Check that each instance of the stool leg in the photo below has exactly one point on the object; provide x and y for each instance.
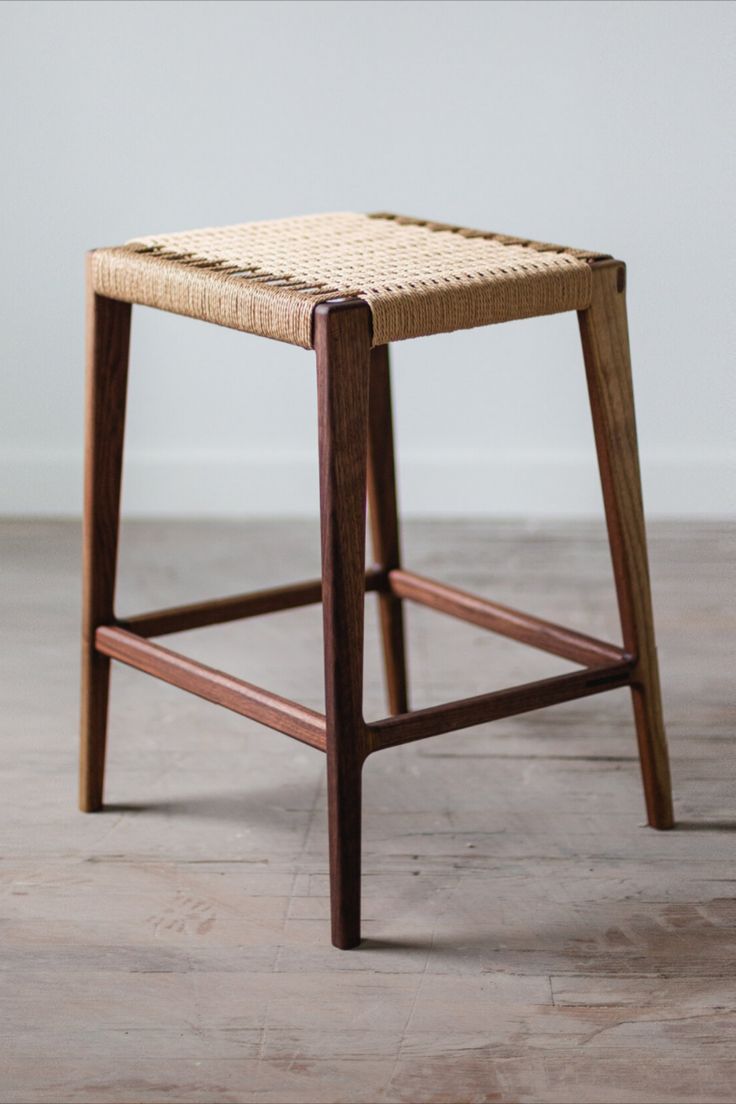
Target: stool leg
(342, 341)
(108, 332)
(605, 340)
(385, 525)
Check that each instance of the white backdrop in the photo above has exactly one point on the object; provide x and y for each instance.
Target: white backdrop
(602, 125)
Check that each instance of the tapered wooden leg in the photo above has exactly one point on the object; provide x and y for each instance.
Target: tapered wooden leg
(342, 341)
(385, 525)
(108, 331)
(605, 341)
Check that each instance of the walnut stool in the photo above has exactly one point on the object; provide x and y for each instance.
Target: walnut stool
(346, 285)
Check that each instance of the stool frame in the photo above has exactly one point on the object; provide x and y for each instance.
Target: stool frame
(356, 454)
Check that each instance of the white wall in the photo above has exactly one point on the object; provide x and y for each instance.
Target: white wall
(603, 125)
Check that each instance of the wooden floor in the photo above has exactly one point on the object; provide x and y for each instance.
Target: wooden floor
(528, 939)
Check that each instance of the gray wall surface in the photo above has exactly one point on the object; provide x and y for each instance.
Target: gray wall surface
(603, 125)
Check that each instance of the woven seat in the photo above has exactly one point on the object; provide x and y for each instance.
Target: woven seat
(418, 277)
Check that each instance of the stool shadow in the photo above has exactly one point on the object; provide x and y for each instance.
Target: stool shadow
(236, 807)
(705, 826)
(262, 807)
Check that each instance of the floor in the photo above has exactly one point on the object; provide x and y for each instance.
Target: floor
(527, 938)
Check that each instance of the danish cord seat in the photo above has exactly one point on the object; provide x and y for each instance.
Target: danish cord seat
(419, 278)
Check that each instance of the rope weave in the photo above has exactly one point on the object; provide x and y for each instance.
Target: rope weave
(418, 277)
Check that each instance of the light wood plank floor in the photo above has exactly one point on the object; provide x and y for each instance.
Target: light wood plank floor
(527, 938)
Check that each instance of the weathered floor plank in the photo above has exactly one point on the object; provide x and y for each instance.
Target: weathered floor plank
(527, 938)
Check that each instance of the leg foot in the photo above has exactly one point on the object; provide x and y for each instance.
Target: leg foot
(344, 799)
(95, 693)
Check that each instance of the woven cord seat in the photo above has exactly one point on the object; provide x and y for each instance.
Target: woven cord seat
(419, 278)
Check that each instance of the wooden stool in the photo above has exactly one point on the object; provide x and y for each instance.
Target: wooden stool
(346, 285)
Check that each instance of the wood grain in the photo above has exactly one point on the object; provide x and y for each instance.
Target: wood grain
(197, 615)
(451, 716)
(512, 623)
(214, 686)
(605, 340)
(383, 511)
(342, 337)
(108, 339)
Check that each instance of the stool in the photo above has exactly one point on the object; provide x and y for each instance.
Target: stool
(346, 285)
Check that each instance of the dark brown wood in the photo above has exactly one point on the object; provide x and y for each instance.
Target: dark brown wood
(108, 337)
(605, 340)
(342, 334)
(213, 685)
(523, 627)
(450, 716)
(383, 511)
(357, 456)
(219, 610)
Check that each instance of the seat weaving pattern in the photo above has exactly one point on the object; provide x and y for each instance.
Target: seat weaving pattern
(418, 277)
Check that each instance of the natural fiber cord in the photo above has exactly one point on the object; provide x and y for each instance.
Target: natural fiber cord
(418, 277)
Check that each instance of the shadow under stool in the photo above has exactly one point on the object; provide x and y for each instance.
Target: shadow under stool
(346, 285)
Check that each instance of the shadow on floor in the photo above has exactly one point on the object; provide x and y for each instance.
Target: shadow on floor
(224, 807)
(238, 807)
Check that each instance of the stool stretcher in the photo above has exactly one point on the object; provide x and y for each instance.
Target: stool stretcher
(213, 685)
